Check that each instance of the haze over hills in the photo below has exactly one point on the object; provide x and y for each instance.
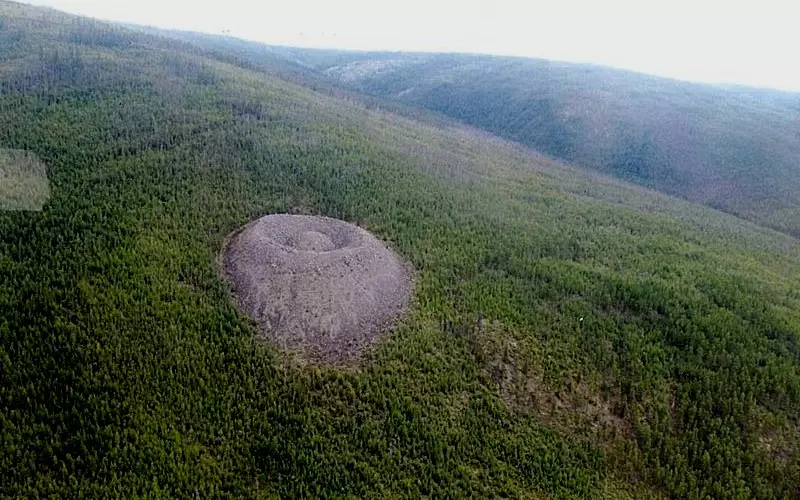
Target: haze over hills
(570, 335)
(732, 148)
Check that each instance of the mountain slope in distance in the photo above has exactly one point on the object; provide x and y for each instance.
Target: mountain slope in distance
(731, 148)
(570, 335)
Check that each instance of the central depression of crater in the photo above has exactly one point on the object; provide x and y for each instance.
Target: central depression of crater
(318, 286)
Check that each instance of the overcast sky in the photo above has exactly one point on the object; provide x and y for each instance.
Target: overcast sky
(749, 42)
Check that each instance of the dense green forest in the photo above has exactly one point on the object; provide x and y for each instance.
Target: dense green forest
(735, 149)
(571, 336)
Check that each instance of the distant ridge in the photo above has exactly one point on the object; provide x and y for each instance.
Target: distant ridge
(730, 147)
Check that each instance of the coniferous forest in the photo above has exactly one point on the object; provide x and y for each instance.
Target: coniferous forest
(732, 148)
(571, 335)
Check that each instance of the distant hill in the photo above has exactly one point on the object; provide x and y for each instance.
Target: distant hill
(736, 149)
(570, 336)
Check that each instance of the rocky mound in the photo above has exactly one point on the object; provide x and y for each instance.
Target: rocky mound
(317, 286)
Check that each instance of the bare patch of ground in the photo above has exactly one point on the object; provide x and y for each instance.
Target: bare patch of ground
(514, 363)
(320, 287)
(777, 437)
(23, 181)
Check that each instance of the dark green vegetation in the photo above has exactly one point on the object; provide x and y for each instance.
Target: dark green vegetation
(735, 149)
(125, 370)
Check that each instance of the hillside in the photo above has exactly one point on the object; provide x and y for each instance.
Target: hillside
(570, 335)
(736, 149)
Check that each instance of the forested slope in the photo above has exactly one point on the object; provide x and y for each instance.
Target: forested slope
(735, 149)
(570, 337)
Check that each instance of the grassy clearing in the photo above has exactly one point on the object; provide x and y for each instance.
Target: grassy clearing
(23, 181)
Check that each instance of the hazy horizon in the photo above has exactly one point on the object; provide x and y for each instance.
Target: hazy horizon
(716, 42)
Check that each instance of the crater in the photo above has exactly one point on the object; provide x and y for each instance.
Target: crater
(322, 288)
(314, 241)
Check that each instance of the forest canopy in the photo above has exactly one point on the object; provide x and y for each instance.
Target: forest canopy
(570, 335)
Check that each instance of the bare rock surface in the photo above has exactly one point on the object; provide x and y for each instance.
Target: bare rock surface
(320, 287)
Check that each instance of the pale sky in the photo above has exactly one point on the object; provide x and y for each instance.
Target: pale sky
(748, 42)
